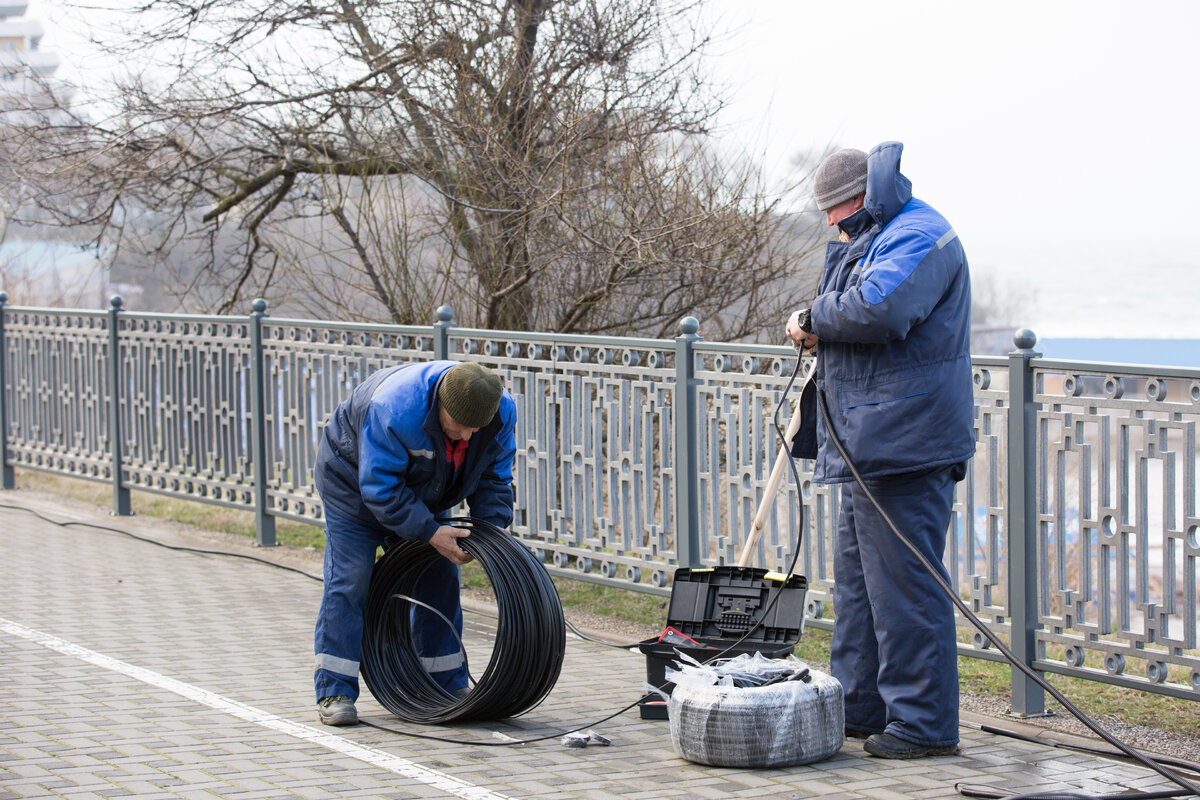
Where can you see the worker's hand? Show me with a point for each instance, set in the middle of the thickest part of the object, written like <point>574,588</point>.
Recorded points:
<point>799,338</point>
<point>445,541</point>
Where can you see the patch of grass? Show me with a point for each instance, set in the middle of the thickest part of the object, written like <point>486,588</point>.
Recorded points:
<point>623,604</point>
<point>813,647</point>
<point>1095,699</point>
<point>636,607</point>
<point>472,575</point>
<point>976,676</point>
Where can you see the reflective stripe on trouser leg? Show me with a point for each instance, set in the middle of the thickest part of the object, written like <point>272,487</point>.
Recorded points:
<point>443,663</point>
<point>435,642</point>
<point>341,666</point>
<point>912,618</point>
<point>349,561</point>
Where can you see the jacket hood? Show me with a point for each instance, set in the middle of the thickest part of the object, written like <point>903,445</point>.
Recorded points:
<point>888,191</point>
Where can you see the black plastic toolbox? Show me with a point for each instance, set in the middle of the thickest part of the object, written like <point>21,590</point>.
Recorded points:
<point>717,607</point>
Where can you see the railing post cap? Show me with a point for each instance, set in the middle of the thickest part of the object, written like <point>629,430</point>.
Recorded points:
<point>115,301</point>
<point>445,313</point>
<point>689,325</point>
<point>3,298</point>
<point>1024,339</point>
<point>259,305</point>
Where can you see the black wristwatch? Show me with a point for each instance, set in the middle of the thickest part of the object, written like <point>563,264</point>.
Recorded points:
<point>804,320</point>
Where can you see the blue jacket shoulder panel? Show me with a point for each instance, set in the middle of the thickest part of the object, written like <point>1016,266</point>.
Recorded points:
<point>882,295</point>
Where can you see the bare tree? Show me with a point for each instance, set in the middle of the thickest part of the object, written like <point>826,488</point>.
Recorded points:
<point>998,301</point>
<point>537,164</point>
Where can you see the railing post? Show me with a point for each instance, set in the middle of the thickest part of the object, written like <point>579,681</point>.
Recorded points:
<point>1028,699</point>
<point>264,522</point>
<point>687,478</point>
<point>7,479</point>
<point>121,507</point>
<point>441,333</point>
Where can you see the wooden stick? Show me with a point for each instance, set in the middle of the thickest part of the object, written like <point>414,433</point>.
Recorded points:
<point>776,477</point>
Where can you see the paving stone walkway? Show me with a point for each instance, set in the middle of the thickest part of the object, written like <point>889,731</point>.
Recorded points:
<point>134,670</point>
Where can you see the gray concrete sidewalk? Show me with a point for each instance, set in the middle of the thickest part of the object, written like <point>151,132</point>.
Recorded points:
<point>136,670</point>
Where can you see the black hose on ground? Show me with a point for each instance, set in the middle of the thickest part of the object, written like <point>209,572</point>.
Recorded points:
<point>530,639</point>
<point>1188,786</point>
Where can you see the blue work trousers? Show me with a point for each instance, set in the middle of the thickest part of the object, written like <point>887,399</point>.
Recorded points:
<point>350,549</point>
<point>894,645</point>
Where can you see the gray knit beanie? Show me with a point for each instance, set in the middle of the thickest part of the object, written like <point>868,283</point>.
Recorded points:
<point>470,394</point>
<point>842,175</point>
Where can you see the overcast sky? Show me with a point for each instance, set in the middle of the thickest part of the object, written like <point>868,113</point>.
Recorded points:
<point>1059,138</point>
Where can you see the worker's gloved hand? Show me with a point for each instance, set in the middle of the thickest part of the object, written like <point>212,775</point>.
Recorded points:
<point>445,541</point>
<point>800,338</point>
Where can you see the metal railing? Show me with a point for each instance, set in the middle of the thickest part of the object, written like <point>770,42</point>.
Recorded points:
<point>1075,533</point>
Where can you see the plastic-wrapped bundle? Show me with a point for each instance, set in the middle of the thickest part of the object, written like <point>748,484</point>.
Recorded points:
<point>777,725</point>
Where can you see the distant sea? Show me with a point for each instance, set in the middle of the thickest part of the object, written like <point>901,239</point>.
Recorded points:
<point>1123,306</point>
<point>1146,351</point>
<point>1159,352</point>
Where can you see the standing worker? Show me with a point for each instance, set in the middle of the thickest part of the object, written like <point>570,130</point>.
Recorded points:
<point>409,444</point>
<point>893,318</point>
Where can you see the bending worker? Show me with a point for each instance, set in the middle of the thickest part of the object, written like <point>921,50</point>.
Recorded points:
<point>893,320</point>
<point>409,444</point>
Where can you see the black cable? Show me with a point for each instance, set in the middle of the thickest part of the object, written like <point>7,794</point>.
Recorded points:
<point>530,639</point>
<point>570,626</point>
<point>766,610</point>
<point>1176,763</point>
<point>267,561</point>
<point>506,743</point>
<point>967,790</point>
<point>1001,647</point>
<point>270,563</point>
<point>991,637</point>
<point>426,702</point>
<point>573,629</point>
<point>148,540</point>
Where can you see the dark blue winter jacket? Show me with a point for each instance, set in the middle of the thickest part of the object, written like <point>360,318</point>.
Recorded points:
<point>893,317</point>
<point>382,456</point>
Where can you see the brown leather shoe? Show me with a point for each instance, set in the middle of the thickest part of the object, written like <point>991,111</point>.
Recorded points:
<point>884,745</point>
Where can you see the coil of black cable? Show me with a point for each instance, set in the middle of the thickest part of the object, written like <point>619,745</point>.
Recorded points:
<point>530,635</point>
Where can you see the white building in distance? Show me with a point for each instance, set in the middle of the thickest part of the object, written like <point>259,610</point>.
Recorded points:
<point>25,70</point>
<point>36,266</point>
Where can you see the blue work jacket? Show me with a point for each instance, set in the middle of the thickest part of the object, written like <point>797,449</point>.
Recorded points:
<point>382,456</point>
<point>893,317</point>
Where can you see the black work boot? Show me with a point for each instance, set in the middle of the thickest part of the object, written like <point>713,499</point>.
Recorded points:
<point>884,745</point>
<point>337,710</point>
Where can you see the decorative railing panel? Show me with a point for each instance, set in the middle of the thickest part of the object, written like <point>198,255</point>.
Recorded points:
<point>1117,524</point>
<point>975,557</point>
<point>184,407</point>
<point>595,462</point>
<point>56,391</point>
